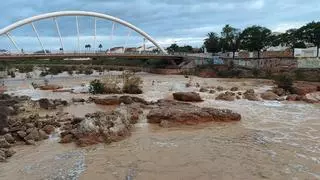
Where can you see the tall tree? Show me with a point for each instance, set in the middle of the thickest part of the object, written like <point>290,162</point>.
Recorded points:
<point>173,48</point>
<point>100,47</point>
<point>291,38</point>
<point>255,38</point>
<point>212,43</point>
<point>311,33</point>
<point>230,39</point>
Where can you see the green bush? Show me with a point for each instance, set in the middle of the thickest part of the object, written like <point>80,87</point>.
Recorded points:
<point>111,86</point>
<point>25,68</point>
<point>131,83</point>
<point>88,71</point>
<point>96,87</point>
<point>12,74</point>
<point>55,70</point>
<point>43,73</point>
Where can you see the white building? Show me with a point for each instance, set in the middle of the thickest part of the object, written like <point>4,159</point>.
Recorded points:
<point>307,52</point>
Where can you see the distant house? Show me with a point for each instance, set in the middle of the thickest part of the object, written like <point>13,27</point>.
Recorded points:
<point>131,49</point>
<point>306,52</point>
<point>116,50</point>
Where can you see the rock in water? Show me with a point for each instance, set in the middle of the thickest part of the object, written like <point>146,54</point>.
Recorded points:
<point>112,100</point>
<point>7,152</point>
<point>203,89</point>
<point>33,135</point>
<point>269,96</point>
<point>68,138</point>
<point>4,143</point>
<point>42,134</point>
<point>250,95</point>
<point>3,122</point>
<point>176,113</point>
<point>234,89</point>
<point>187,96</point>
<point>78,100</point>
<point>102,127</point>
<point>50,87</point>
<point>9,138</point>
<point>279,91</point>
<point>48,129</point>
<point>227,96</point>
<point>304,88</point>
<point>45,103</point>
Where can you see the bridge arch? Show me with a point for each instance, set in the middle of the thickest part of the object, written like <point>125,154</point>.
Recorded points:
<point>20,23</point>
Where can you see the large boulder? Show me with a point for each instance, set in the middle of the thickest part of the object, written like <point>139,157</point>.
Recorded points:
<point>279,91</point>
<point>269,96</point>
<point>204,89</point>
<point>132,99</point>
<point>48,129</point>
<point>9,138</point>
<point>234,89</point>
<point>3,122</point>
<point>45,103</point>
<point>22,134</point>
<point>304,88</point>
<point>187,96</point>
<point>33,135</point>
<point>250,95</point>
<point>4,143</point>
<point>101,127</point>
<point>42,134</point>
<point>78,100</point>
<point>50,87</point>
<point>111,100</point>
<point>227,96</point>
<point>176,113</point>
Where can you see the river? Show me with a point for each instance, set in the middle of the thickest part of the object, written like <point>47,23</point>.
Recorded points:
<point>274,140</point>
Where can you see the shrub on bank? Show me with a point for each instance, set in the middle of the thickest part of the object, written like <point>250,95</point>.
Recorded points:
<point>88,71</point>
<point>25,68</point>
<point>44,73</point>
<point>131,83</point>
<point>111,86</point>
<point>96,87</point>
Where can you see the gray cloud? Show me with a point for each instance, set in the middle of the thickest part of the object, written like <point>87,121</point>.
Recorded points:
<point>166,20</point>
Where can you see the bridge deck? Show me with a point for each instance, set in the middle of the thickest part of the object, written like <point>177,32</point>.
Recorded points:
<point>89,55</point>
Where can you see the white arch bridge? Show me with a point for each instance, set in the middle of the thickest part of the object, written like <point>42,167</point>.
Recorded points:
<point>54,15</point>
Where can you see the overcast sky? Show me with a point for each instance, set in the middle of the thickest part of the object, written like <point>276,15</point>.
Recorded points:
<point>168,21</point>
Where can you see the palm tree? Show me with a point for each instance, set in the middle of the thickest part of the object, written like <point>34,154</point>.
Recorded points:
<point>100,47</point>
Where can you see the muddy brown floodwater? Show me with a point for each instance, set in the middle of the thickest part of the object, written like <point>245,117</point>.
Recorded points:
<point>274,140</point>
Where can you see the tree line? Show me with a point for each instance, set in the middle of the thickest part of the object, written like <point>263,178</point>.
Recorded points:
<point>257,38</point>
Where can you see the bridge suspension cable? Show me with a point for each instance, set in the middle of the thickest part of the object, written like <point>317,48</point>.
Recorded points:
<point>111,36</point>
<point>78,34</point>
<point>38,37</point>
<point>95,35</point>
<point>126,42</point>
<point>58,30</point>
<point>13,42</point>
